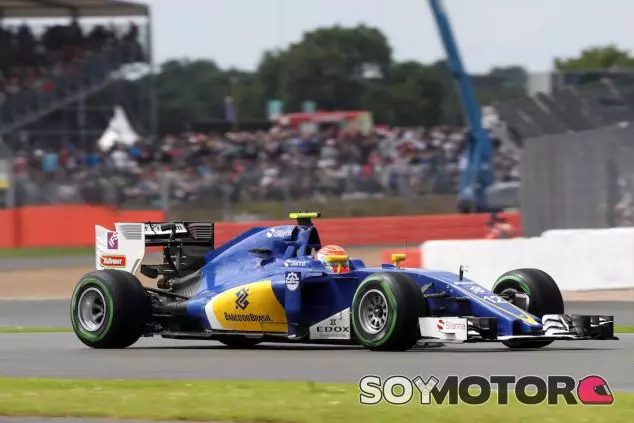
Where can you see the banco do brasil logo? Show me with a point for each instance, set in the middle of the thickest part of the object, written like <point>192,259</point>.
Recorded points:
<point>241,300</point>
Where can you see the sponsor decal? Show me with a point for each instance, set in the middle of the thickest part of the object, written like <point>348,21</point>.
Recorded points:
<point>155,229</point>
<point>476,292</point>
<point>279,233</point>
<point>292,280</point>
<point>477,289</point>
<point>251,307</point>
<point>450,324</point>
<point>241,300</point>
<point>112,261</point>
<point>446,328</point>
<point>248,317</point>
<point>334,327</point>
<point>494,299</point>
<point>112,239</point>
<point>477,390</point>
<point>296,263</point>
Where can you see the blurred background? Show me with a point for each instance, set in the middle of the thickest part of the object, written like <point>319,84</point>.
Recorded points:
<point>354,110</point>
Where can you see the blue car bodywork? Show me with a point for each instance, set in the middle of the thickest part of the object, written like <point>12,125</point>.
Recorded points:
<point>267,281</point>
<point>265,284</point>
<point>322,292</point>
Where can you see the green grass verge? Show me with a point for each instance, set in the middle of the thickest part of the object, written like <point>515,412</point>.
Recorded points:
<point>45,252</point>
<point>623,328</point>
<point>264,401</point>
<point>33,329</point>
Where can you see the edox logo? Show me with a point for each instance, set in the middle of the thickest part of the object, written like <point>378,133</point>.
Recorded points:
<point>241,301</point>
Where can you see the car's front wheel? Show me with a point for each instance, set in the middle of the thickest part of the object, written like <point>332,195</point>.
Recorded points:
<point>109,309</point>
<point>544,297</point>
<point>385,311</point>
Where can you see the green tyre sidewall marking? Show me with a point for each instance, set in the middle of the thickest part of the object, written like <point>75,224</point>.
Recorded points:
<point>391,300</point>
<point>76,325</point>
<point>516,278</point>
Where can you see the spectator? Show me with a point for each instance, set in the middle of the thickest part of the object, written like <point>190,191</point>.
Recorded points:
<point>499,228</point>
<point>267,166</point>
<point>27,59</point>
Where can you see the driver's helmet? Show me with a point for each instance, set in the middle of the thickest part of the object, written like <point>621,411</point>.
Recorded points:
<point>333,250</point>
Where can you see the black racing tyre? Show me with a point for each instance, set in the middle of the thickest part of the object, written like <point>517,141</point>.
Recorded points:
<point>543,294</point>
<point>109,309</point>
<point>385,311</point>
<point>239,342</point>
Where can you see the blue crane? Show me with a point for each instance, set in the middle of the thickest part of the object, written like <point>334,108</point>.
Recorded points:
<point>478,174</point>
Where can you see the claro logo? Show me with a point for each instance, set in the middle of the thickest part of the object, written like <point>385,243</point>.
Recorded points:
<point>113,261</point>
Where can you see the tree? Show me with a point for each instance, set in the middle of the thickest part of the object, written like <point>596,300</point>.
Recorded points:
<point>195,91</point>
<point>330,66</point>
<point>190,90</point>
<point>593,58</point>
<point>411,94</point>
<point>338,68</point>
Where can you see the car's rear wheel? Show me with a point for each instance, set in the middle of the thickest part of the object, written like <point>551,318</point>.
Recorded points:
<point>385,312</point>
<point>544,297</point>
<point>109,309</point>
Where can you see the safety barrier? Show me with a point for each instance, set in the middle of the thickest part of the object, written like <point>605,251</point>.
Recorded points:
<point>74,226</point>
<point>579,260</point>
<point>62,226</point>
<point>387,230</point>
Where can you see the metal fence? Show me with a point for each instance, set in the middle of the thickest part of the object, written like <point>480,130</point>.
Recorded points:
<point>578,180</point>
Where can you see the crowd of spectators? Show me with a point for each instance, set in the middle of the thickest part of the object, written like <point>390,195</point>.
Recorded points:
<point>31,58</point>
<point>276,165</point>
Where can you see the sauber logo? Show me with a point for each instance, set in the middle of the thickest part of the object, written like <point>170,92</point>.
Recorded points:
<point>113,261</point>
<point>450,325</point>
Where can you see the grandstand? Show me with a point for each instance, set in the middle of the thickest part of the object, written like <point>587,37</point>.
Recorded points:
<point>571,102</point>
<point>60,84</point>
<point>577,162</point>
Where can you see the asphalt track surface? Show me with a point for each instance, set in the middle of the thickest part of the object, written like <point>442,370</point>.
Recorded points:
<point>62,355</point>
<point>22,263</point>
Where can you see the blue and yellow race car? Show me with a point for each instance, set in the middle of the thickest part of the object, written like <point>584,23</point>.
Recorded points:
<point>267,285</point>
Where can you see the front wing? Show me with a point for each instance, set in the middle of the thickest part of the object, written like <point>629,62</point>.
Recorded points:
<point>562,327</point>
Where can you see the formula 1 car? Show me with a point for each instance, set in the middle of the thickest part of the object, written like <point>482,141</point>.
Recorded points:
<point>265,286</point>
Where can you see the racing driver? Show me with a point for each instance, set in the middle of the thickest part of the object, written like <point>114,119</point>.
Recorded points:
<point>333,250</point>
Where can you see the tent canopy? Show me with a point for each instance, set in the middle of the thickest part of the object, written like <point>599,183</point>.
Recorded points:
<point>65,8</point>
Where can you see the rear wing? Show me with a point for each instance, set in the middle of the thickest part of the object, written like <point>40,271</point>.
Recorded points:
<point>185,233</point>
<point>124,248</point>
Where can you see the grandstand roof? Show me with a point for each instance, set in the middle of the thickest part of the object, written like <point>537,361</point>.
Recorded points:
<point>62,8</point>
